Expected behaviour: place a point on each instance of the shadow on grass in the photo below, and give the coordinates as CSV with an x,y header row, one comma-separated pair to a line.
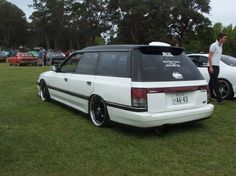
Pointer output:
x,y
162,131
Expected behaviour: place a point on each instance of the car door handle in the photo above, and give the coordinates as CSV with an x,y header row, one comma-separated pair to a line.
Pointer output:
x,y
89,83
65,79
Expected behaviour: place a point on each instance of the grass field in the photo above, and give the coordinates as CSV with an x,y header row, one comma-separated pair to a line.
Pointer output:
x,y
45,138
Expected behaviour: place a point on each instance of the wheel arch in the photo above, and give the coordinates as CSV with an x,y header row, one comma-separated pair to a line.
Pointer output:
x,y
107,119
46,95
231,93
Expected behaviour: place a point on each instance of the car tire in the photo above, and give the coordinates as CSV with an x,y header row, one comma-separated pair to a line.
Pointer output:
x,y
225,89
44,93
98,111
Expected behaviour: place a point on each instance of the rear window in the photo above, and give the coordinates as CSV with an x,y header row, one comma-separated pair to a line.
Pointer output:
x,y
229,60
163,64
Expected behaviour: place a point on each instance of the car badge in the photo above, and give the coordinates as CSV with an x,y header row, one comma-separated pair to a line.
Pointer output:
x,y
177,75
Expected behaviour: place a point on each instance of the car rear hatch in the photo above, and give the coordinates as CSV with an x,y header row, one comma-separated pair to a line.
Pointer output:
x,y
164,79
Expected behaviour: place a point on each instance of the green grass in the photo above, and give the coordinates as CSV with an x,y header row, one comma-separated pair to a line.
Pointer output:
x,y
45,138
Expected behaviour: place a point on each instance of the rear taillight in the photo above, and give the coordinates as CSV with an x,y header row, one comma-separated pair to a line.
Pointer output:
x,y
206,88
176,89
139,97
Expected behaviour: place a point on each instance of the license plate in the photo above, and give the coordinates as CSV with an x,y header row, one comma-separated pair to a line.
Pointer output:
x,y
179,98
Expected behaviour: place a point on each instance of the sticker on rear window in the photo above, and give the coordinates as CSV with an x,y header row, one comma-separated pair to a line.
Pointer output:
x,y
177,75
171,63
166,54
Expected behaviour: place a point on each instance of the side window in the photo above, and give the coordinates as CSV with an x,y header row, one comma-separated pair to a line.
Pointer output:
x,y
195,60
88,64
114,64
71,63
204,61
200,61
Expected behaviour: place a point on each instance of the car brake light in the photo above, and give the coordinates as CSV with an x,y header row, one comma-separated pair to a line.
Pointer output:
x,y
139,97
176,89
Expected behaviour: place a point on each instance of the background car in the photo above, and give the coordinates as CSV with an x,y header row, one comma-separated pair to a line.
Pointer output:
x,y
23,59
55,57
2,57
227,75
34,53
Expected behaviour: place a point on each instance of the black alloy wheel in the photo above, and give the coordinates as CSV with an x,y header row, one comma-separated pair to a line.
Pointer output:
x,y
98,111
226,89
44,93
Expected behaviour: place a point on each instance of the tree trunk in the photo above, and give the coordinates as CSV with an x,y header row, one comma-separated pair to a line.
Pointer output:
x,y
55,41
71,43
47,41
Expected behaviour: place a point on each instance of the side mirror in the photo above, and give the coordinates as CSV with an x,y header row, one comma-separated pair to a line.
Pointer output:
x,y
54,68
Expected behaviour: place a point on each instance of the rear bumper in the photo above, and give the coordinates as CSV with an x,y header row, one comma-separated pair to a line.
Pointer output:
x,y
145,119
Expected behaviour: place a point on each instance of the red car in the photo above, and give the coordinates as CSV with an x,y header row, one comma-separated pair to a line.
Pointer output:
x,y
23,59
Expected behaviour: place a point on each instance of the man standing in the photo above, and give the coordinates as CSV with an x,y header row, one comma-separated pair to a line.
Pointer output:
x,y
214,65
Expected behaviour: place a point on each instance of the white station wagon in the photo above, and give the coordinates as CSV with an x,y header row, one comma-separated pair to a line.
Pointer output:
x,y
138,85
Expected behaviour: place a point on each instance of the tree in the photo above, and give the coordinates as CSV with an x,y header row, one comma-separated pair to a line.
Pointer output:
x,y
48,20
40,22
76,23
13,26
230,44
131,21
93,21
161,20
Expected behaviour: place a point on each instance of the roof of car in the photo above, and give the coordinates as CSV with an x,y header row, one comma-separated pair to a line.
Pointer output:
x,y
121,47
205,54
112,47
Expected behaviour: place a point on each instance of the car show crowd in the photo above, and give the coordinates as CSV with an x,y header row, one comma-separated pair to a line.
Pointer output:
x,y
37,56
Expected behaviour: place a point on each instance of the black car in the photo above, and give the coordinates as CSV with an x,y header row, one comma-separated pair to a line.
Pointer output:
x,y
55,57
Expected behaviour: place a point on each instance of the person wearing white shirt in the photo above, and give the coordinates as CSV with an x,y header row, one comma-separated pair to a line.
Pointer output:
x,y
214,56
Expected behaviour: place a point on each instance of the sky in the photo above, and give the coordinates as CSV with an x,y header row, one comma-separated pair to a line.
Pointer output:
x,y
221,11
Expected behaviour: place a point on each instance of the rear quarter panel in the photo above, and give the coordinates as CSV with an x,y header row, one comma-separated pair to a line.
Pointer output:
x,y
113,89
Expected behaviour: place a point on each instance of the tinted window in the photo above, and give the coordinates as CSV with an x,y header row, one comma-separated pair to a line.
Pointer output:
x,y
71,63
114,64
158,65
88,64
199,61
229,60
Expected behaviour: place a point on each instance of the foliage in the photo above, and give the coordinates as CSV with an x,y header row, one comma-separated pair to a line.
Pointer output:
x,y
13,25
48,19
150,20
193,29
202,43
80,22
230,45
75,24
120,21
45,138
